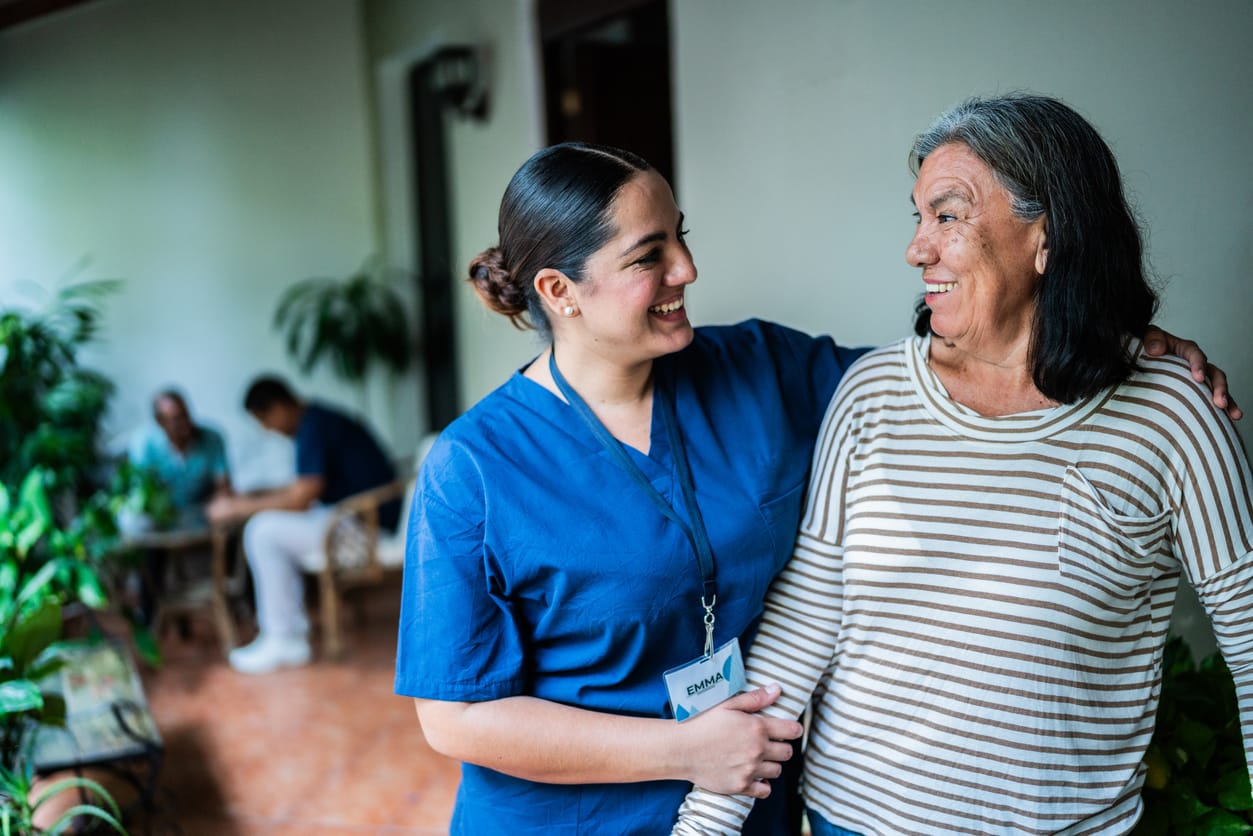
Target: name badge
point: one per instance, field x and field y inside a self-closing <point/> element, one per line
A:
<point x="706" y="681"/>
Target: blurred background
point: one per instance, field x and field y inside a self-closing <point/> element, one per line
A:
<point x="211" y="155"/>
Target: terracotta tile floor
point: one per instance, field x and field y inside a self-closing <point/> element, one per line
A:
<point x="325" y="749"/>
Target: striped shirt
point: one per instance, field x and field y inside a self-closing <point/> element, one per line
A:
<point x="978" y="605"/>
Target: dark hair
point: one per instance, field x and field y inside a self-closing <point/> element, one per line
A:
<point x="1094" y="292"/>
<point x="555" y="214"/>
<point x="169" y="393"/>
<point x="267" y="391"/>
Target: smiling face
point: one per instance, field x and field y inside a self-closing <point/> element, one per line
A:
<point x="980" y="262"/>
<point x="631" y="302"/>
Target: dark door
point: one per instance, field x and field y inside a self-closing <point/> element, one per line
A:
<point x="607" y="75"/>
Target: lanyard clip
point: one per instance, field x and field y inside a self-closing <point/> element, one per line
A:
<point x="709" y="624"/>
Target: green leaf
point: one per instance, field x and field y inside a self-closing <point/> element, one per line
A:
<point x="32" y="634"/>
<point x="67" y="818"/>
<point x="4" y="504"/>
<point x="76" y="783"/>
<point x="19" y="695"/>
<point x="1198" y="739"/>
<point x="1222" y="823"/>
<point x="53" y="713"/>
<point x="1233" y="791"/>
<point x="38" y="585"/>
<point x="1184" y="807"/>
<point x="146" y="645"/>
<point x="90" y="590"/>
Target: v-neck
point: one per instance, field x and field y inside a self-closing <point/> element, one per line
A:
<point x="657" y="464"/>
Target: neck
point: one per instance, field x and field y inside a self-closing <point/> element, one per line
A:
<point x="601" y="381"/>
<point x="620" y="395"/>
<point x="989" y="380"/>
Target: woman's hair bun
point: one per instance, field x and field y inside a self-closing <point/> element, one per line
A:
<point x="495" y="284"/>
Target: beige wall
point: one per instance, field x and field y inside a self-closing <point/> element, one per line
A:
<point x="208" y="153"/>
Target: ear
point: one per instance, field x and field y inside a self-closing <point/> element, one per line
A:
<point x="1042" y="245"/>
<point x="555" y="290"/>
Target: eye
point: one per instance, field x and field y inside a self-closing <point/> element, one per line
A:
<point x="945" y="218"/>
<point x="917" y="218"/>
<point x="650" y="257"/>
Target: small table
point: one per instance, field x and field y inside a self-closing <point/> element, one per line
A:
<point x="199" y="595"/>
<point x="107" y="720"/>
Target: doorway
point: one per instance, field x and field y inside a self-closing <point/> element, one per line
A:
<point x="607" y="75"/>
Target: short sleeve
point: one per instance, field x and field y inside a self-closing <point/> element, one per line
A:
<point x="311" y="453"/>
<point x="217" y="456"/>
<point x="459" y="638"/>
<point x="809" y="368"/>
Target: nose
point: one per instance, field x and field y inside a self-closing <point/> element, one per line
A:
<point x="682" y="269"/>
<point x="921" y="250"/>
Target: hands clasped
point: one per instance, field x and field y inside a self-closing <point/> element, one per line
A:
<point x="735" y="751"/>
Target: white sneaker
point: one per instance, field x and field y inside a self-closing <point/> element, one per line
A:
<point x="269" y="653"/>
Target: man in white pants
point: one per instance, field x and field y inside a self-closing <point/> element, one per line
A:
<point x="336" y="456"/>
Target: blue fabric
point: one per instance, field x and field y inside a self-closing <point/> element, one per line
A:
<point x="346" y="455"/>
<point x="535" y="566"/>
<point x="191" y="476"/>
<point x="819" y="826"/>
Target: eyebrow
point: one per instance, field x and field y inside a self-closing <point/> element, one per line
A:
<point x="947" y="195"/>
<point x="647" y="239"/>
<point x="651" y="238"/>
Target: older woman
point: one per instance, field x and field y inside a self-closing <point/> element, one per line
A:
<point x="999" y="512"/>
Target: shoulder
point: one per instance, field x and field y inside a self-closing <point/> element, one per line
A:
<point x="750" y="336"/>
<point x="1161" y="395"/>
<point x="211" y="437"/>
<point x="880" y="366"/>
<point x="142" y="443"/>
<point x="479" y="436"/>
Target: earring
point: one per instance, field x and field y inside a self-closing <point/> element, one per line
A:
<point x="568" y="310"/>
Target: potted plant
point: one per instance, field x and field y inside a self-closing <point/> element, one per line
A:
<point x="1198" y="780"/>
<point x="41" y="568"/>
<point x="354" y="323"/>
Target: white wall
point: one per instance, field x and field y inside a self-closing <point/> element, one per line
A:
<point x="210" y="154"/>
<point x="794" y="120"/>
<point x="482" y="155"/>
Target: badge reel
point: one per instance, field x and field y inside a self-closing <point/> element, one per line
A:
<point x="709" y="679"/>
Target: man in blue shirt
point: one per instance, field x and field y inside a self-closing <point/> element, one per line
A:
<point x="188" y="458"/>
<point x="336" y="456"/>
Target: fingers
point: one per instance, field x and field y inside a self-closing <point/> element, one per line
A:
<point x="1218" y="384"/>
<point x="779" y="729"/>
<point x="758" y="789"/>
<point x="755" y="700"/>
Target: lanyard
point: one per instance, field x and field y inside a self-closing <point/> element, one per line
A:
<point x="695" y="533"/>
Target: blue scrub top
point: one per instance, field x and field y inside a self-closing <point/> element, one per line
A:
<point x="344" y="452"/>
<point x="536" y="566"/>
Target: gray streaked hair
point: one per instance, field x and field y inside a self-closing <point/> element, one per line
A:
<point x="995" y="129"/>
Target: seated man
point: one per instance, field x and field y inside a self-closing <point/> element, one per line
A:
<point x="190" y="459"/>
<point x="336" y="456"/>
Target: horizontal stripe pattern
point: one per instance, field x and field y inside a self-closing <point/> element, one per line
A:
<point x="981" y="603"/>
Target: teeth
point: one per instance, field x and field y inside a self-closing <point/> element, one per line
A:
<point x="940" y="288"/>
<point x="669" y="307"/>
